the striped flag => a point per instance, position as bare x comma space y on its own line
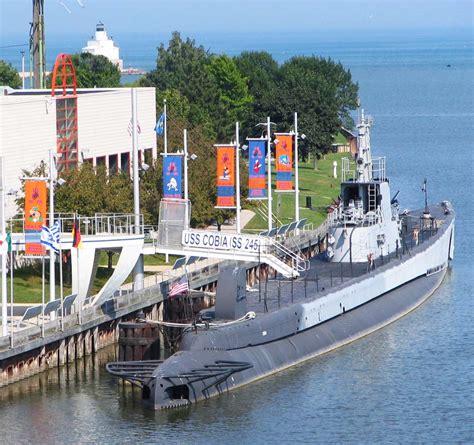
130, 127
6, 244
76, 234
179, 287
50, 236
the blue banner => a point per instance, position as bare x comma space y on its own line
172, 177
257, 186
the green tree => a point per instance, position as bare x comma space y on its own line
93, 72
322, 93
9, 76
234, 98
262, 74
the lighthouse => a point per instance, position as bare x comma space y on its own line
104, 46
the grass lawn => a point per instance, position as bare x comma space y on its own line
150, 260
27, 283
319, 184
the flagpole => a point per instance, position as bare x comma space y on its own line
52, 274
297, 186
4, 258
269, 176
237, 176
61, 290
11, 296
10, 247
138, 269
165, 133
76, 219
42, 293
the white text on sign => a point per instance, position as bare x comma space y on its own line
221, 241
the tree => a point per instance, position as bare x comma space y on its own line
234, 98
322, 93
262, 73
9, 76
93, 72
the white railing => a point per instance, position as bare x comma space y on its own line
99, 224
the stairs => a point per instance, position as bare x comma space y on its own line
372, 198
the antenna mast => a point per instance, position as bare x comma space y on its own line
37, 46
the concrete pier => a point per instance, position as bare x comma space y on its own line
56, 342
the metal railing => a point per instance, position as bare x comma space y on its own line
99, 224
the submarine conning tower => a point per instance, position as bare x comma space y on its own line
365, 223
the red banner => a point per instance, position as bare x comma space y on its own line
284, 160
225, 176
35, 216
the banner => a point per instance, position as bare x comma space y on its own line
35, 216
225, 176
172, 177
257, 186
284, 160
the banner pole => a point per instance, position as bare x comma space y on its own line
164, 127
186, 197
297, 186
237, 176
269, 176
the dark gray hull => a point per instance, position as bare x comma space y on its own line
193, 375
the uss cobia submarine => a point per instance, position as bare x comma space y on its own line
392, 262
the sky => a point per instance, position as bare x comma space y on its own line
67, 18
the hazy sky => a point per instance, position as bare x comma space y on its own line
68, 17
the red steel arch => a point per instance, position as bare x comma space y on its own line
64, 81
64, 76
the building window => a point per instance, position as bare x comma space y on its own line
125, 162
113, 164
148, 155
100, 161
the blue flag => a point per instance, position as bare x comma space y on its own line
160, 125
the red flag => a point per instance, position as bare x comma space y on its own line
76, 234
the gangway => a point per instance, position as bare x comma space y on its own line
238, 247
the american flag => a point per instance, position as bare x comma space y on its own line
130, 127
179, 287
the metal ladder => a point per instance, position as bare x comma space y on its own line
372, 190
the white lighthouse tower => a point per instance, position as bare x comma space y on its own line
104, 46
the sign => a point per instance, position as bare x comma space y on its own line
283, 160
35, 216
257, 187
206, 239
225, 176
172, 177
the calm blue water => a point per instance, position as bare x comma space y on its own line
413, 381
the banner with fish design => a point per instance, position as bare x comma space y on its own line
35, 216
257, 186
172, 177
284, 160
225, 176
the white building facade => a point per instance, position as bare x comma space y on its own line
102, 45
29, 129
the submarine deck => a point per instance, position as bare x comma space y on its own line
323, 277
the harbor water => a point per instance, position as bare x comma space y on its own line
410, 382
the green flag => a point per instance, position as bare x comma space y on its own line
8, 240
